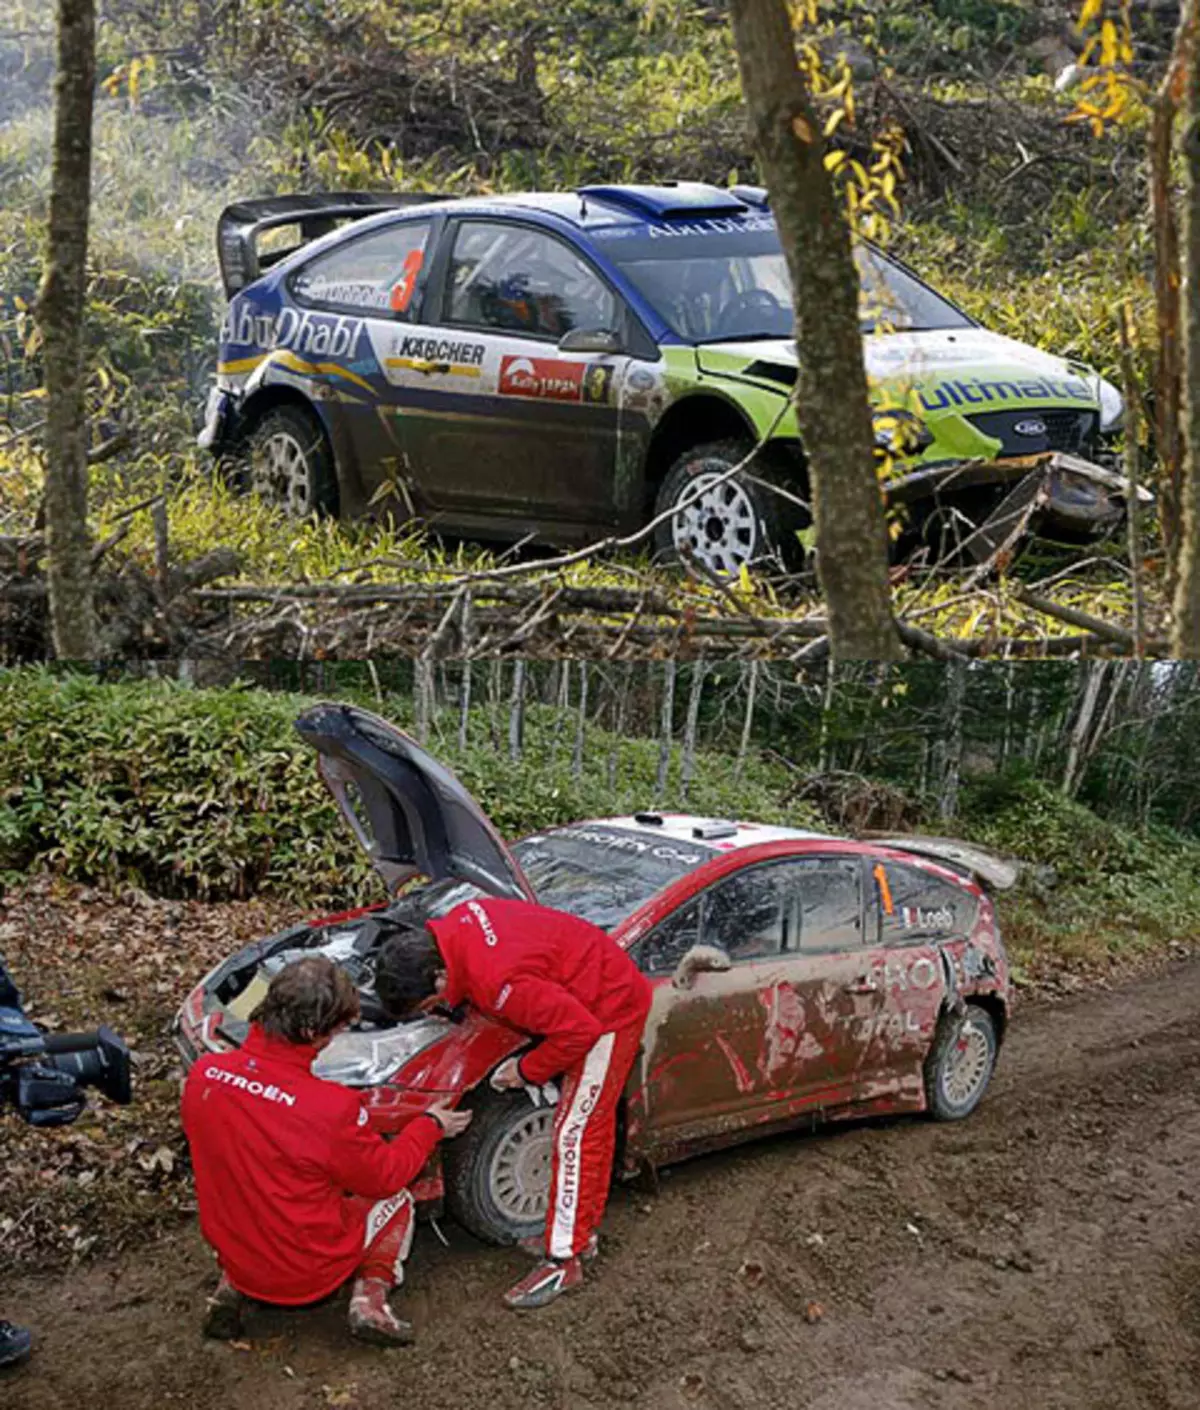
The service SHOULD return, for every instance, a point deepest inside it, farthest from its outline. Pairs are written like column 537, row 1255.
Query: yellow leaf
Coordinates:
column 833, row 160
column 1091, row 8
column 832, row 121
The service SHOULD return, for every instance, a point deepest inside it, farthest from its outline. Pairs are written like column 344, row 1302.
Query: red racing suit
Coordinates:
column 568, row 983
column 287, row 1170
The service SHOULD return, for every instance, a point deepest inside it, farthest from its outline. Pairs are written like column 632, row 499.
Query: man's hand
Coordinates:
column 452, row 1122
column 507, row 1077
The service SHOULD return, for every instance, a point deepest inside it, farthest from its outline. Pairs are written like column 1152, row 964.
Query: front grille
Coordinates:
column 1065, row 430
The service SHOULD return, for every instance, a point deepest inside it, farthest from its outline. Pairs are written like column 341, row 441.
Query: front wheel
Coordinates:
column 960, row 1063
column 723, row 522
column 498, row 1170
column 289, row 463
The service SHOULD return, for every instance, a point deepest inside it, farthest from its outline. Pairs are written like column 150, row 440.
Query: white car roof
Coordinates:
column 681, row 827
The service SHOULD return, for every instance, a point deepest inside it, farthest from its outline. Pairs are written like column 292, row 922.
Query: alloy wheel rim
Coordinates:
column 966, row 1064
column 279, row 473
column 519, row 1177
column 717, row 527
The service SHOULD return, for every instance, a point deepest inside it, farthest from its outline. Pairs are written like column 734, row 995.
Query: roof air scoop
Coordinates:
column 680, row 200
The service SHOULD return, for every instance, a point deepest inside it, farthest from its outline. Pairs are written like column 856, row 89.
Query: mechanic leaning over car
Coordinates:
column 566, row 982
column 296, row 1192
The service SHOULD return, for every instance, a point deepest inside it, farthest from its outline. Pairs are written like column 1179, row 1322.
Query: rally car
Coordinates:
column 796, row 976
column 563, row 366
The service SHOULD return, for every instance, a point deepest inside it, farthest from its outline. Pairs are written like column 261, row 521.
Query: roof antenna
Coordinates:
column 582, row 206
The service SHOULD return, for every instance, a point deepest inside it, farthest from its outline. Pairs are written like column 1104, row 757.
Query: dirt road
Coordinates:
column 1044, row 1254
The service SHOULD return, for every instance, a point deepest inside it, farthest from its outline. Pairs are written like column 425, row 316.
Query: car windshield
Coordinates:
column 602, row 874
column 723, row 285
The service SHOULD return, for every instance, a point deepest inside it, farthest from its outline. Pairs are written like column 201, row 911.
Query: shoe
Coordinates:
column 371, row 1317
column 223, row 1316
column 550, row 1279
column 535, row 1247
column 15, row 1344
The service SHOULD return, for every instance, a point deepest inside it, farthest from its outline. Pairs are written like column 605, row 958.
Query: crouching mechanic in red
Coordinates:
column 566, row 982
column 296, row 1193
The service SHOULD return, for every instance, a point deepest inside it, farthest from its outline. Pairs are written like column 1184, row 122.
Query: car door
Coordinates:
column 361, row 295
column 915, row 913
column 826, row 1001
column 707, row 1064
column 502, row 421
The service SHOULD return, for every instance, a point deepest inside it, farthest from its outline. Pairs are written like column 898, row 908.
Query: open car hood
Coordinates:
column 996, row 872
column 410, row 814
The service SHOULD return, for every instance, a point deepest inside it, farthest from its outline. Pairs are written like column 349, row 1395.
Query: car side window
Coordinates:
column 916, row 905
column 375, row 275
column 829, row 903
column 670, row 940
column 513, row 278
column 750, row 915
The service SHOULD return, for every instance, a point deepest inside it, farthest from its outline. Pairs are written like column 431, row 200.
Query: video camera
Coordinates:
column 43, row 1074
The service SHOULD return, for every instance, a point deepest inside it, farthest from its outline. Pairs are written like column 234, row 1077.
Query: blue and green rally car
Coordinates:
column 564, row 366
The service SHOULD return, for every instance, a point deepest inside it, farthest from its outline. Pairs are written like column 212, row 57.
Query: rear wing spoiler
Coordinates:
column 241, row 225
column 993, row 872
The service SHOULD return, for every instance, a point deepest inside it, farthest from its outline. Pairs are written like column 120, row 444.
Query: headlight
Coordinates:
column 1112, row 407
column 900, row 432
column 366, row 1059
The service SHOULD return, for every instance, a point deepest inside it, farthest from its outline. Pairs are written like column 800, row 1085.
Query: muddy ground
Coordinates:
column 1046, row 1253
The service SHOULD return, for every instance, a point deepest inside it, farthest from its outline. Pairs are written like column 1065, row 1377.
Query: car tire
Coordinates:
column 738, row 522
column 494, row 1170
column 289, row 463
column 959, row 1066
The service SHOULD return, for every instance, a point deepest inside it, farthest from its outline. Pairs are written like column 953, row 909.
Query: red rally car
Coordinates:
column 796, row 975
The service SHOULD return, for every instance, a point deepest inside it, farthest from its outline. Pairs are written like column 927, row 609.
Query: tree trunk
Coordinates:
column 952, row 733
column 423, row 705
column 516, row 714
column 60, row 317
column 824, row 747
column 666, row 729
column 580, row 723
column 1093, row 680
column 464, row 707
column 622, row 709
column 688, row 762
column 1185, row 637
column 831, row 393
column 747, row 722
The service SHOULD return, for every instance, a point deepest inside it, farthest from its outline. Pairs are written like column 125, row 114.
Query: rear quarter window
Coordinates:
column 914, row 905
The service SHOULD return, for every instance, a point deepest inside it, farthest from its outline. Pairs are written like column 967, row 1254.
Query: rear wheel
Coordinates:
column 960, row 1063
column 498, row 1170
column 725, row 522
column 289, row 463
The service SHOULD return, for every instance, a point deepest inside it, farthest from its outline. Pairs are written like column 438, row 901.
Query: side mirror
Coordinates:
column 590, row 340
column 700, row 959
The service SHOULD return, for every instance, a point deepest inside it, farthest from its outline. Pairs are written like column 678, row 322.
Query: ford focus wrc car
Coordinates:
column 568, row 365
column 795, row 975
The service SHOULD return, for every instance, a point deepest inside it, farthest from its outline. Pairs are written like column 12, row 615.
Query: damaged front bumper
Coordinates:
column 1066, row 494
column 220, row 412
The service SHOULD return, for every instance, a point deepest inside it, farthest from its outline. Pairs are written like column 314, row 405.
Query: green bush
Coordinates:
column 210, row 793
column 1113, row 888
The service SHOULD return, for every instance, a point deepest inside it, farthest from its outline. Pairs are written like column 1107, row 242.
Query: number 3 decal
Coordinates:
column 402, row 289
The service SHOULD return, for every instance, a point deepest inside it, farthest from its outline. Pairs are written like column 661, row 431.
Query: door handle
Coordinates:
column 864, row 984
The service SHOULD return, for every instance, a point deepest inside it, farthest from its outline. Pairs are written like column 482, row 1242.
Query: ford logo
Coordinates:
column 1032, row 427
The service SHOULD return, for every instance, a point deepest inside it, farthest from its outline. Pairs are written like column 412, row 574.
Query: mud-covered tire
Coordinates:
column 491, row 1169
column 288, row 462
column 960, row 1064
column 738, row 521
